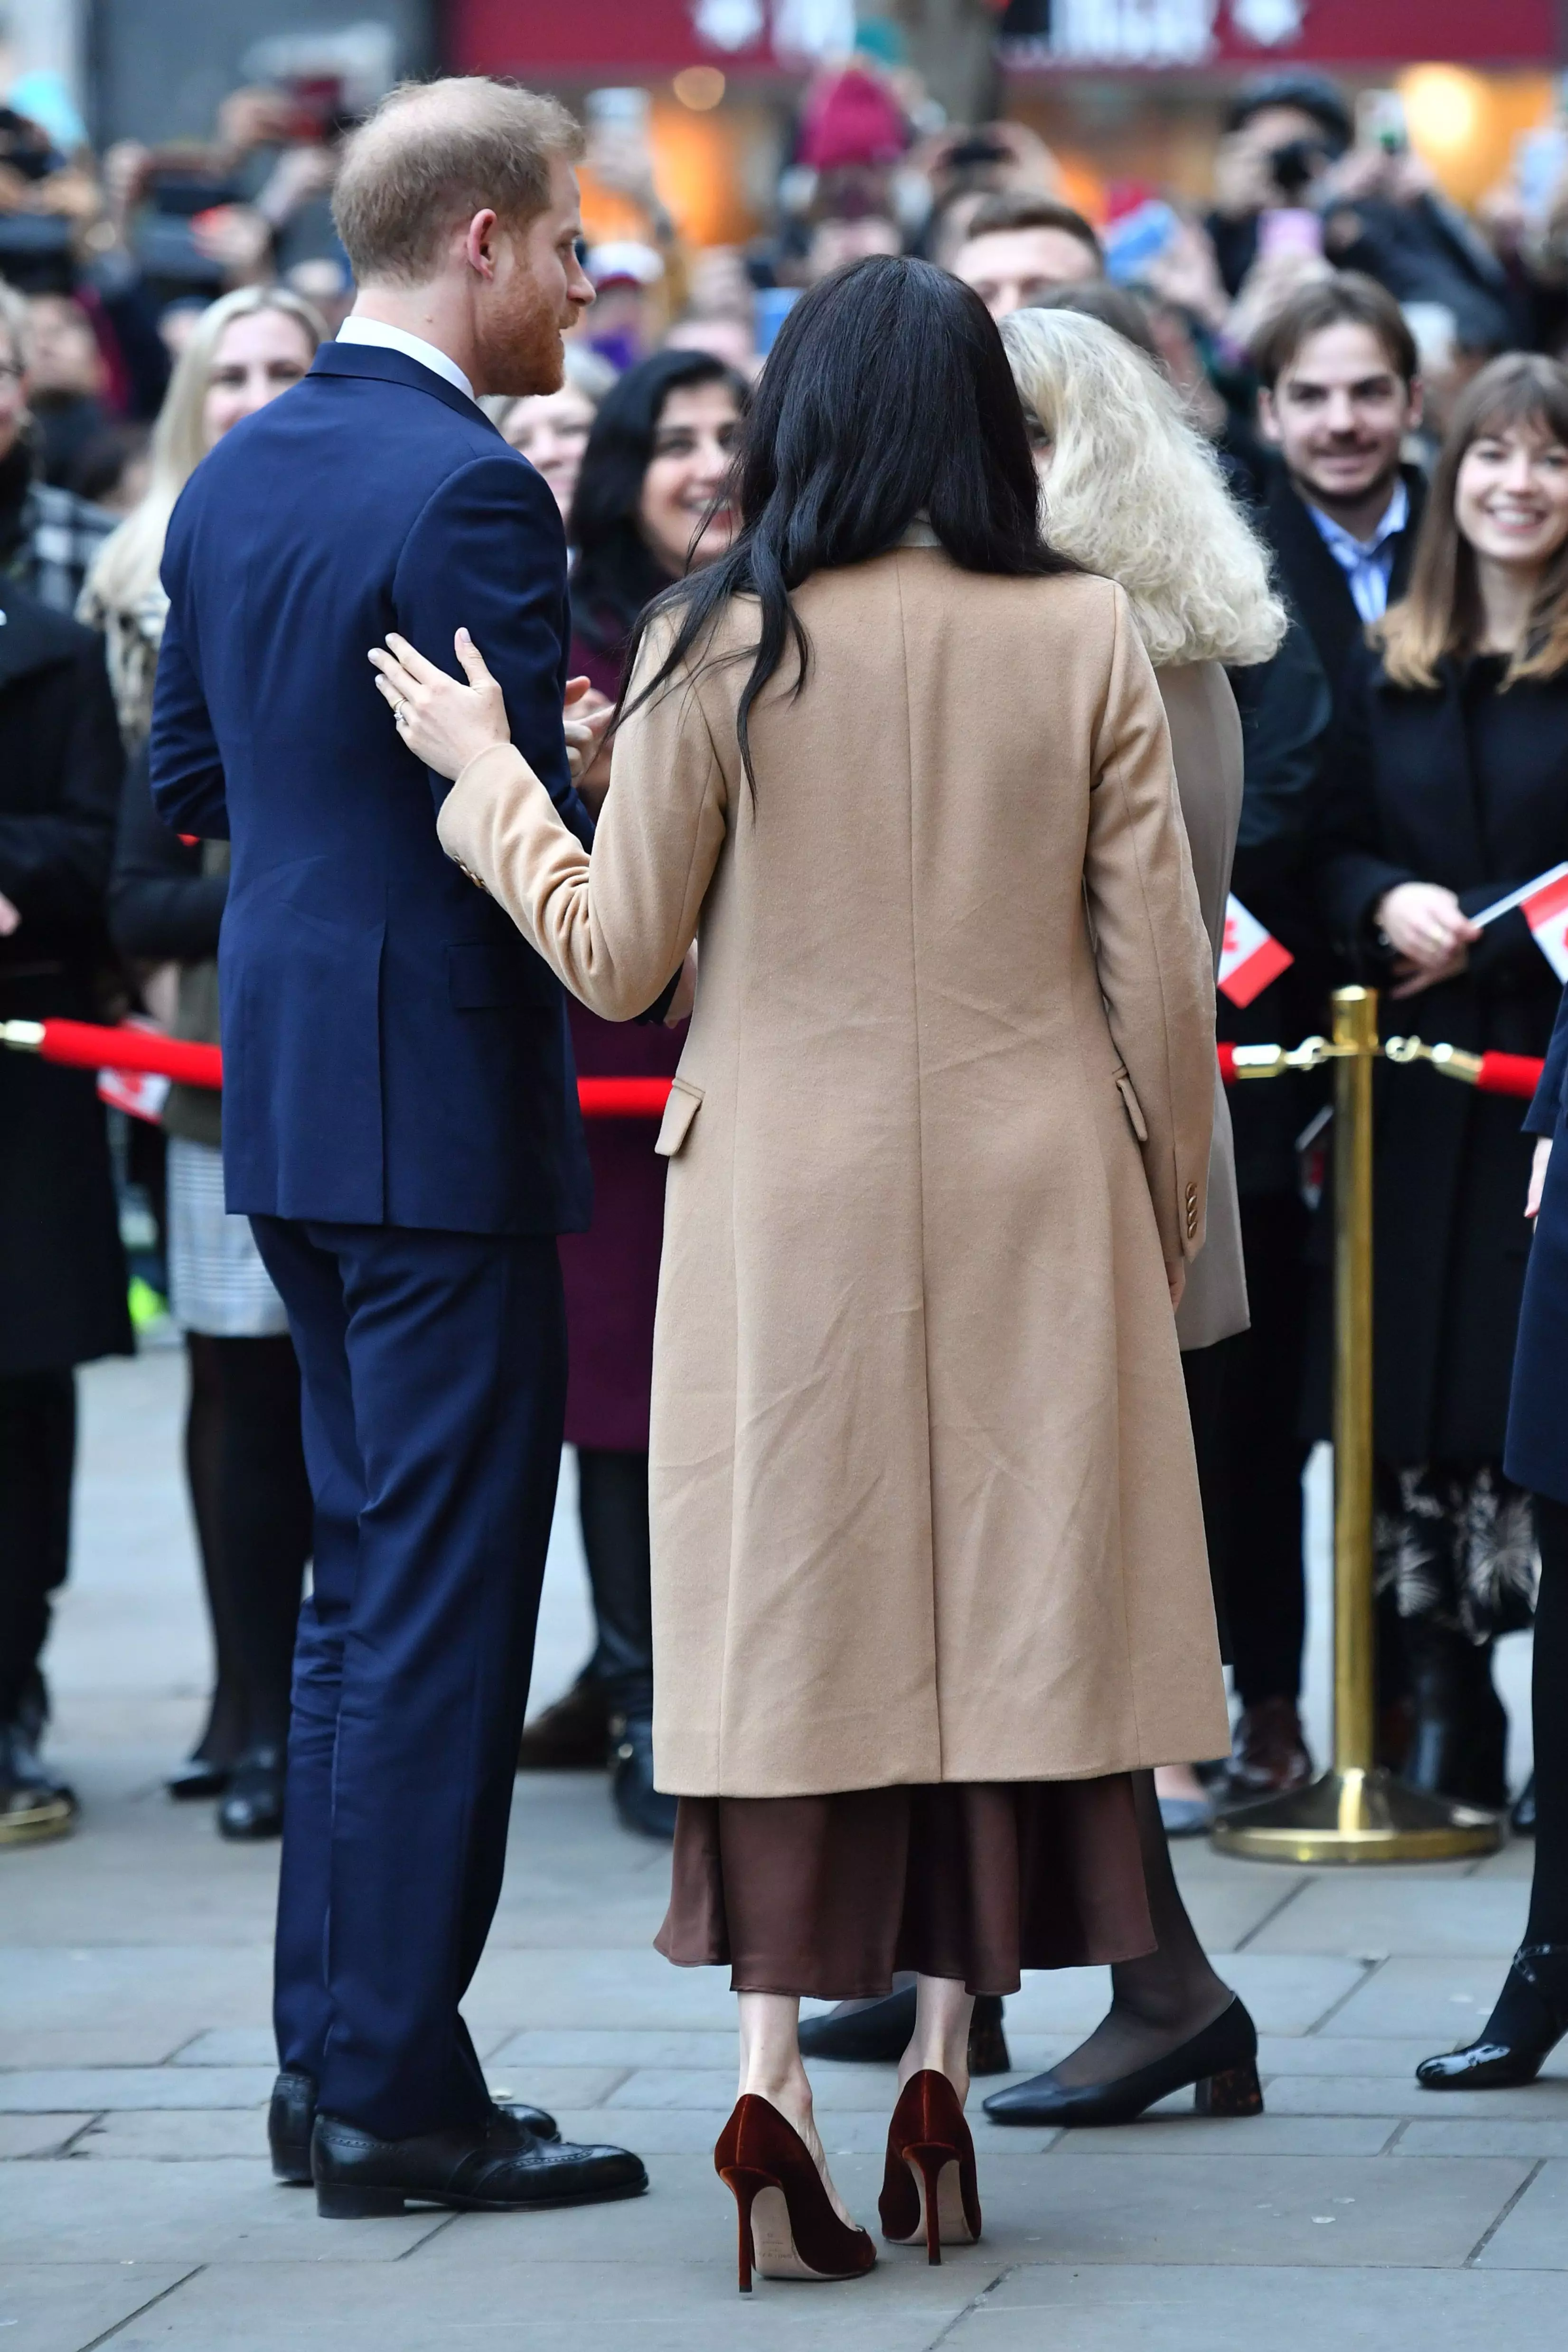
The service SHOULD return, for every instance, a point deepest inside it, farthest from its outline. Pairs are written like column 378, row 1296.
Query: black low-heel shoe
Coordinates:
column 1220, row 2063
column 1529, row 2021
column 496, row 2167
column 877, row 2032
column 252, row 1807
column 291, row 2119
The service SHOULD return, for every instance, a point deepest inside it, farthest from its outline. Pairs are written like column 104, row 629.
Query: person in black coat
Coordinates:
column 244, row 1452
column 1339, row 395
column 1337, row 366
column 62, row 1273
column 1446, row 794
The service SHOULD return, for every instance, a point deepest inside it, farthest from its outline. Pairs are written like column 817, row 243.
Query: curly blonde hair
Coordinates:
column 1136, row 493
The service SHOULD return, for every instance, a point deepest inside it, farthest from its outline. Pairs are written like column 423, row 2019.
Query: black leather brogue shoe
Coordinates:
column 292, row 2115
column 498, row 2168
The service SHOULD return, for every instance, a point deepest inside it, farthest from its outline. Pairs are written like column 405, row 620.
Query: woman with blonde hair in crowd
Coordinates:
column 1133, row 490
column 243, row 1453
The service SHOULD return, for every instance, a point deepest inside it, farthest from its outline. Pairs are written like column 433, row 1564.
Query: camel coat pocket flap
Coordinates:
column 1134, row 1109
column 685, row 1102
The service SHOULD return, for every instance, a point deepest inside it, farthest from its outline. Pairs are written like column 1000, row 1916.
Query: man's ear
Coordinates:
column 479, row 244
column 1267, row 422
column 1418, row 404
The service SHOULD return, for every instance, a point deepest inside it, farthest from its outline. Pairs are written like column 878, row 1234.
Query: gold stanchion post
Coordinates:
column 1354, row 1812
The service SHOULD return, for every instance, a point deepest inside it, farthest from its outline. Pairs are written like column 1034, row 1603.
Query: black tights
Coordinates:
column 252, row 1504
column 1549, row 1708
column 612, row 1489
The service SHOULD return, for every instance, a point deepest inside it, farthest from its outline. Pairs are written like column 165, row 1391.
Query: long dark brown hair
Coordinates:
column 1441, row 614
column 888, row 396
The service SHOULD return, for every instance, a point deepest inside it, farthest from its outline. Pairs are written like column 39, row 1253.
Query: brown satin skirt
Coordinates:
column 829, row 1895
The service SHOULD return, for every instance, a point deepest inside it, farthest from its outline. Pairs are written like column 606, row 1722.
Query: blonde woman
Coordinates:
column 245, row 350
column 248, row 1489
column 1131, row 489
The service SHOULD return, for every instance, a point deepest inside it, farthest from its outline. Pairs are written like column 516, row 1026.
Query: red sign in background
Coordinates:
column 571, row 39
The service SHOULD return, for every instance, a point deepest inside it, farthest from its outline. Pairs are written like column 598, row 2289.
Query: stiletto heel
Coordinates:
column 929, row 2185
column 1235, row 2092
column 788, row 2228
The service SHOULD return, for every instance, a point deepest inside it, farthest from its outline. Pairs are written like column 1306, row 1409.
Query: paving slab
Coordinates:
column 1276, row 2209
column 1172, row 2130
column 46, row 2088
column 38, row 2134
column 1354, row 2094
column 1367, row 2310
column 1535, row 2234
column 1489, row 2135
column 669, row 2306
column 1365, row 1912
column 1447, row 1997
column 63, row 2307
column 144, row 2211
column 175, row 2135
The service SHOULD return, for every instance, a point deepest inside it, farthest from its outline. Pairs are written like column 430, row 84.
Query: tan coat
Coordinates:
column 1206, row 744
column 924, row 1506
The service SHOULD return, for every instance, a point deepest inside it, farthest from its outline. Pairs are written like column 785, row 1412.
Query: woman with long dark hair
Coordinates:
column 929, row 1566
column 647, row 509
column 1447, row 794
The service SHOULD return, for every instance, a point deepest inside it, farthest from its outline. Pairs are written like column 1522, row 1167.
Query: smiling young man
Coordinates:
column 1339, row 393
column 400, row 1115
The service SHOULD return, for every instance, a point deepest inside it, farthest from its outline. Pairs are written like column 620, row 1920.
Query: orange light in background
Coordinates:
column 1465, row 124
column 701, row 88
column 699, row 163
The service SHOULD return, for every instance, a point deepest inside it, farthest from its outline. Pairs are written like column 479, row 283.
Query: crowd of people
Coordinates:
column 1271, row 499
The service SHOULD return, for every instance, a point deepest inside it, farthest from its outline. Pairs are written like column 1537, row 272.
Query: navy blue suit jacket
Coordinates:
column 393, row 1053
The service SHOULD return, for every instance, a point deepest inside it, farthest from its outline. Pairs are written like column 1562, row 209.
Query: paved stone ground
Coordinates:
column 136, row 2209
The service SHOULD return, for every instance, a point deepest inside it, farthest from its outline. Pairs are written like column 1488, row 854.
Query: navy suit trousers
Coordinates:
column 434, row 1371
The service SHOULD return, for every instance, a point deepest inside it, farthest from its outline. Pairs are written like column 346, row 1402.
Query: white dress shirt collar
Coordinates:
column 1367, row 563
column 355, row 329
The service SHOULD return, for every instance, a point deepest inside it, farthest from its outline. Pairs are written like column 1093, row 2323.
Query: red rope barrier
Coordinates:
column 84, row 1045
column 1509, row 1074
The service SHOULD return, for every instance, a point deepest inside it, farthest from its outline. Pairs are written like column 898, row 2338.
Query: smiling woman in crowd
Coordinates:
column 1446, row 794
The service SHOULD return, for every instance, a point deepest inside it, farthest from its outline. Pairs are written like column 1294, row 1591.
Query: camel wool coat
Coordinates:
column 923, row 1498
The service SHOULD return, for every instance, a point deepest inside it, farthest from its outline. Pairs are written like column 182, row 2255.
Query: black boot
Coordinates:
column 1522, row 1817
column 1459, row 1737
column 1529, row 2021
column 640, row 1805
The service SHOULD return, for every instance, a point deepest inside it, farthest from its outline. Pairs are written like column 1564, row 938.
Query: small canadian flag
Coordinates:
column 1546, row 912
column 1250, row 957
column 1543, row 903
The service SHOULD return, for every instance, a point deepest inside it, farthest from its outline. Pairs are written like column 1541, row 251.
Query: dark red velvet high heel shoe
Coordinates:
column 788, row 2226
column 930, row 2183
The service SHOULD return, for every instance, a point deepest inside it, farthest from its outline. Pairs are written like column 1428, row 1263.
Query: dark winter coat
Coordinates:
column 62, row 1273
column 1465, row 786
